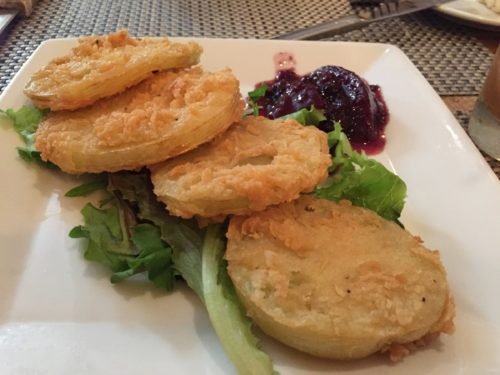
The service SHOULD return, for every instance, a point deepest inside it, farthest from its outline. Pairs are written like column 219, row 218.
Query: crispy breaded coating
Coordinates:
column 102, row 66
column 256, row 163
column 164, row 116
column 337, row 281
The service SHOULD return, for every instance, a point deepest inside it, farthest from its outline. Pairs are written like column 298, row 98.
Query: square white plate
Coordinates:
column 60, row 315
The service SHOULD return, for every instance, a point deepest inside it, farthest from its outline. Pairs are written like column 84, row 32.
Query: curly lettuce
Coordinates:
column 25, row 121
column 135, row 234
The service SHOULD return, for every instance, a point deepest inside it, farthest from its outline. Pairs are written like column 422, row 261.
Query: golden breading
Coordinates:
column 102, row 66
column 337, row 281
column 256, row 163
column 166, row 115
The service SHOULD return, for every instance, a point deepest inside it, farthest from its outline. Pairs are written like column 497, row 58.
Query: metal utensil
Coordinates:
column 6, row 15
column 377, row 10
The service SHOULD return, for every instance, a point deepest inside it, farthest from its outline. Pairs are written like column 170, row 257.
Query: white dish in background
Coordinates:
column 471, row 11
column 60, row 315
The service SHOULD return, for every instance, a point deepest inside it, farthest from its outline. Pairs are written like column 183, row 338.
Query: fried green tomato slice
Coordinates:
column 256, row 163
column 102, row 66
column 337, row 281
column 164, row 116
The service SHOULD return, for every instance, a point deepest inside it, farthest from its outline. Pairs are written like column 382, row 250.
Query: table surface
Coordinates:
column 453, row 56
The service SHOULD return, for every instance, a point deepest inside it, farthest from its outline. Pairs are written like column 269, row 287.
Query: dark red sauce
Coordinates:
column 341, row 94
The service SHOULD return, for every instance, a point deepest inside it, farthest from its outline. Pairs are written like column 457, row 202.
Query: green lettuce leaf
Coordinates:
column 25, row 122
column 88, row 188
column 306, row 116
column 253, row 98
column 226, row 313
column 155, row 258
column 183, row 236
column 132, row 204
column 109, row 243
column 363, row 181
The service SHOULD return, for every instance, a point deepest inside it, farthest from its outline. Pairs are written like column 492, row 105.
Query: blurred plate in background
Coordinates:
column 471, row 11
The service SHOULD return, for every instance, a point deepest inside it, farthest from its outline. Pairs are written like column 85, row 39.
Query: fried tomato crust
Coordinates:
column 256, row 163
column 164, row 116
column 337, row 281
column 102, row 66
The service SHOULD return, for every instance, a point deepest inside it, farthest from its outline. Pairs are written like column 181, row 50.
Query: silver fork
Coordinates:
column 373, row 9
column 366, row 12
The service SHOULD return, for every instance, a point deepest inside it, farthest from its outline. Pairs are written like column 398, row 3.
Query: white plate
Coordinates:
column 471, row 11
column 60, row 315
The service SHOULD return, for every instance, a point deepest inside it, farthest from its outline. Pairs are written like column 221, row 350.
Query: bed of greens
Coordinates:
column 130, row 232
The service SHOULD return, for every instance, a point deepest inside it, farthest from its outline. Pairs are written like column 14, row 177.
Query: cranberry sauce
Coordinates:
column 340, row 94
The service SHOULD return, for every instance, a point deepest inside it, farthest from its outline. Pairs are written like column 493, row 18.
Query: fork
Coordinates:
column 366, row 12
column 374, row 9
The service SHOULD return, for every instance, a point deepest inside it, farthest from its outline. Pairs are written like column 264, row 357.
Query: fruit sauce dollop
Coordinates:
column 341, row 94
